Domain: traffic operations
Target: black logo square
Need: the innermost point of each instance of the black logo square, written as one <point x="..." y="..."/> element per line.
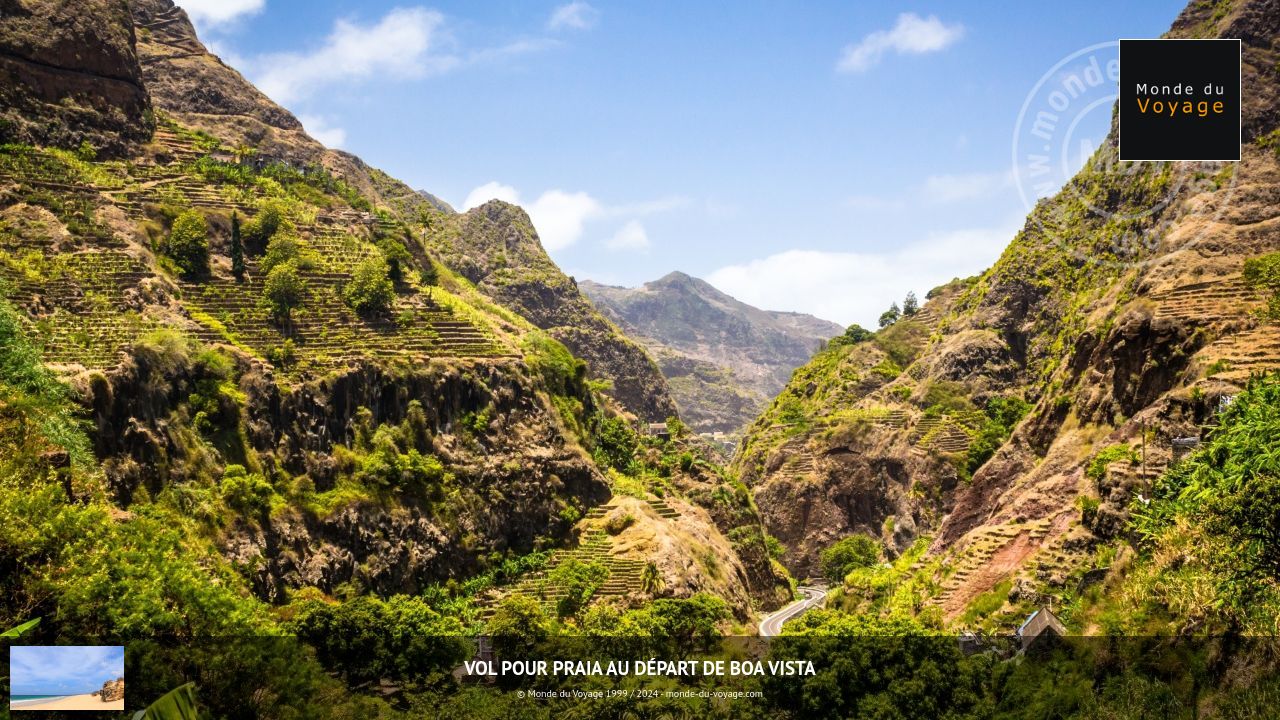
<point x="1179" y="100"/>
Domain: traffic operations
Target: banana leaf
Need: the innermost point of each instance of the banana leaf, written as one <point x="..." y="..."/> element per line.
<point x="21" y="630"/>
<point x="177" y="704"/>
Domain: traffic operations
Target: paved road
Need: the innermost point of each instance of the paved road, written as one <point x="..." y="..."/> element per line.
<point x="811" y="596"/>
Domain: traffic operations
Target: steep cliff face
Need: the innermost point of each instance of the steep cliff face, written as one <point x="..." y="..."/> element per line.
<point x="496" y="247"/>
<point x="723" y="358"/>
<point x="503" y="486"/>
<point x="1112" y="356"/>
<point x="69" y="74"/>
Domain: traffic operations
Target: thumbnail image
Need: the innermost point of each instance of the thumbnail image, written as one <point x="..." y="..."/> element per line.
<point x="67" y="677"/>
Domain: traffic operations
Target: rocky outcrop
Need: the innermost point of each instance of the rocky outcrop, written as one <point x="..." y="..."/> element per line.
<point x="723" y="358"/>
<point x="69" y="74"/>
<point x="496" y="247"/>
<point x="112" y="690"/>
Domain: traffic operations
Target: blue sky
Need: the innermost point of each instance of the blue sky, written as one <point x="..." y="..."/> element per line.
<point x="821" y="157"/>
<point x="63" y="669"/>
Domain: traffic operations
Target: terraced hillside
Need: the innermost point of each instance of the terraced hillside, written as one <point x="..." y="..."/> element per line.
<point x="96" y="286"/>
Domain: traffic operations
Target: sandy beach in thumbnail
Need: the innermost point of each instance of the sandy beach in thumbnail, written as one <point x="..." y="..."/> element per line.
<point x="69" y="702"/>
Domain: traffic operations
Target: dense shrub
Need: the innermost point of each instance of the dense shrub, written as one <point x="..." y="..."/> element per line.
<point x="849" y="554"/>
<point x="249" y="493"/>
<point x="370" y="289"/>
<point x="284" y="289"/>
<point x="368" y="639"/>
<point x="579" y="580"/>
<point x="188" y="244"/>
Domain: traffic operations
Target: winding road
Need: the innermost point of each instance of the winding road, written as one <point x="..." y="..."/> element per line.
<point x="812" y="596"/>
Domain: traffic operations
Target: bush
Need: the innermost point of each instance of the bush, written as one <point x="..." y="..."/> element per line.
<point x="284" y="289"/>
<point x="396" y="255"/>
<point x="368" y="639"/>
<point x="1002" y="415"/>
<point x="370" y="290"/>
<point x="1263" y="273"/>
<point x="248" y="493"/>
<point x="188" y="244"/>
<point x="617" y="523"/>
<point x="1097" y="468"/>
<point x="286" y="247"/>
<point x="263" y="227"/>
<point x="845" y="556"/>
<point x="579" y="580"/>
<point x="388" y="467"/>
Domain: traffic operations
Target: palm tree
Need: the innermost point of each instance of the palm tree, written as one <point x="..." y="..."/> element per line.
<point x="651" y="579"/>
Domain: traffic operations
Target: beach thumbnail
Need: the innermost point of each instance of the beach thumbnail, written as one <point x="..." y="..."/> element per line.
<point x="66" y="677"/>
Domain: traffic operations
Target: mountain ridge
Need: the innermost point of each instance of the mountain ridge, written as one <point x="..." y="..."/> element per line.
<point x="723" y="358"/>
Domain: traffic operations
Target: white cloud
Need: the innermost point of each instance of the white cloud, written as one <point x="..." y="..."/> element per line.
<point x="558" y="216"/>
<point x="320" y="129"/>
<point x="631" y="236"/>
<point x="911" y="35"/>
<point x="401" y="45"/>
<point x="209" y="13"/>
<point x="851" y="287"/>
<point x="574" y="15"/>
<point x="491" y="191"/>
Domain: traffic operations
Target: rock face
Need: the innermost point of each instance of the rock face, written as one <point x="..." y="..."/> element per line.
<point x="112" y="690"/>
<point x="724" y="359"/>
<point x="69" y="74"/>
<point x="496" y="247"/>
<point x="880" y="436"/>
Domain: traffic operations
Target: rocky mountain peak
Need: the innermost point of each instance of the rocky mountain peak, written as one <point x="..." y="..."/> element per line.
<point x="69" y="74"/>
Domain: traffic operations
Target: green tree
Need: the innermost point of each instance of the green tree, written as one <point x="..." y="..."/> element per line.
<point x="368" y="639"/>
<point x="518" y="625"/>
<point x="848" y="554"/>
<point x="188" y="244"/>
<point x="910" y="306"/>
<point x="263" y="227"/>
<point x="284" y="289"/>
<point x="853" y="335"/>
<point x="237" y="248"/>
<point x="284" y="247"/>
<point x="579" y="581"/>
<point x="688" y="625"/>
<point x="868" y="667"/>
<point x="615" y="443"/>
<point x="370" y="290"/>
<point x="1263" y="273"/>
<point x="396" y="254"/>
<point x="890" y="316"/>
